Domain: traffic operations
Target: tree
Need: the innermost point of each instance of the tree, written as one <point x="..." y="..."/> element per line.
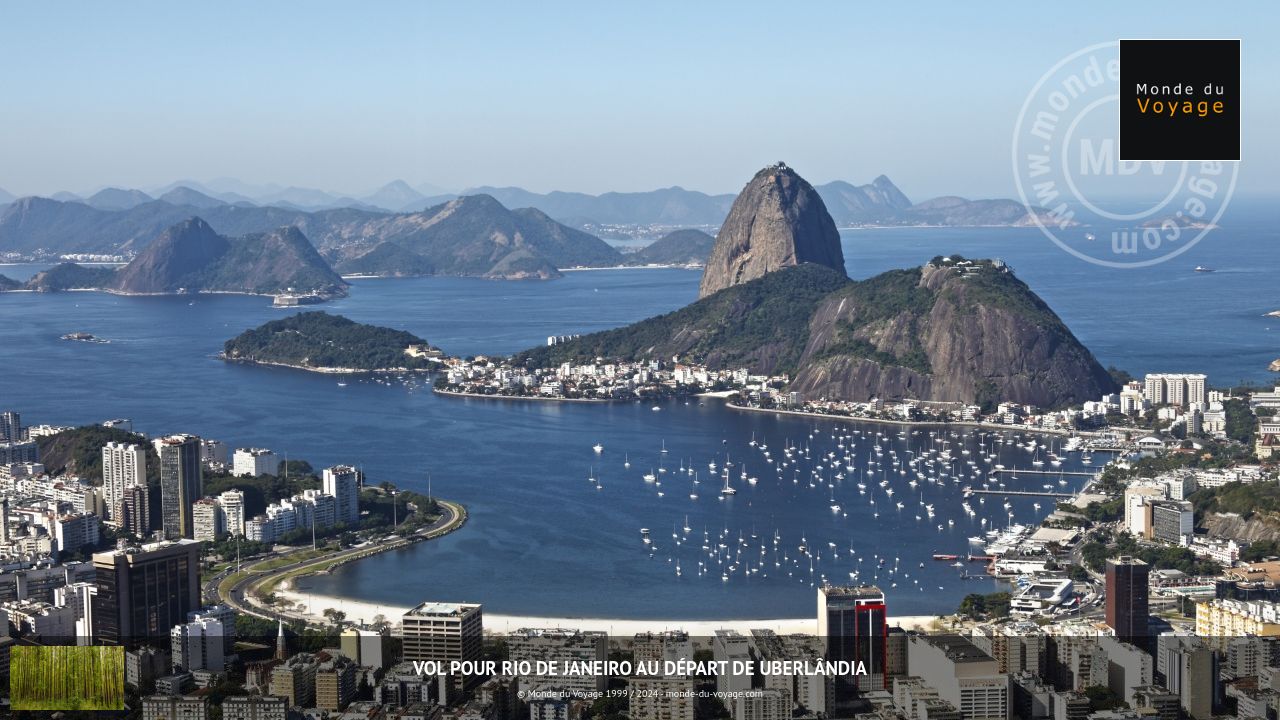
<point x="335" y="616"/>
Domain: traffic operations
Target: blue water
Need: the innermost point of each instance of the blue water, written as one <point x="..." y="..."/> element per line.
<point x="542" y="539"/>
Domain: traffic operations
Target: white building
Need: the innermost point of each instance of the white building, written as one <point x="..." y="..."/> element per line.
<point x="252" y="462"/>
<point x="1180" y="389"/>
<point x="124" y="465"/>
<point x="341" y="481"/>
<point x="207" y="519"/>
<point x="199" y="645"/>
<point x="231" y="502"/>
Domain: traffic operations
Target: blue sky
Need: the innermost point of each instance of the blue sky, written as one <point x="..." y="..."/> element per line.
<point x="572" y="96"/>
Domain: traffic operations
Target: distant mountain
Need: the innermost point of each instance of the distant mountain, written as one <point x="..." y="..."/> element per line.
<point x="882" y="203"/>
<point x="668" y="206"/>
<point x="300" y="198"/>
<point x="117" y="199"/>
<point x="852" y="203"/>
<point x="387" y="259"/>
<point x="681" y="247"/>
<point x="185" y="196"/>
<point x="7" y="283"/>
<point x="396" y="196"/>
<point x="190" y="256"/>
<point x="64" y="196"/>
<point x="474" y="235"/>
<point x="778" y="220"/>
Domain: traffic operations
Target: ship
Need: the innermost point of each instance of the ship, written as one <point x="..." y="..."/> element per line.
<point x="1202" y="268"/>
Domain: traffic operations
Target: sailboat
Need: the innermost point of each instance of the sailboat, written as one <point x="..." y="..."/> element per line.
<point x="727" y="489"/>
<point x="626" y="461"/>
<point x="598" y="448"/>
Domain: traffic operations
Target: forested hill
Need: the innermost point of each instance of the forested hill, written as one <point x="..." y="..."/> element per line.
<point x="320" y="341"/>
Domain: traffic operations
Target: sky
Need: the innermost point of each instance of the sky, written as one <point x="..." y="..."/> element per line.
<point x="589" y="97"/>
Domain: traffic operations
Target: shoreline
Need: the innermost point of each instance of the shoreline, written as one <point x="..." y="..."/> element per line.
<point x="539" y="398"/>
<point x="323" y="370"/>
<point x="922" y="423"/>
<point x="364" y="611"/>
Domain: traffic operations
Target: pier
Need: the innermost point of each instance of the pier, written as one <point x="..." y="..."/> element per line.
<point x="1055" y="473"/>
<point x="1027" y="493"/>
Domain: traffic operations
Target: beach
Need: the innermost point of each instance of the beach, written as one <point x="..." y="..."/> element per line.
<point x="359" y="611"/>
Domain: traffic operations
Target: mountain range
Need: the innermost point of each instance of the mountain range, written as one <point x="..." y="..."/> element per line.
<point x="472" y="235"/>
<point x="877" y="203"/>
<point x="775" y="298"/>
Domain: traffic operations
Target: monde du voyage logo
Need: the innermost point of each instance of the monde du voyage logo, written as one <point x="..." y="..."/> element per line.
<point x="1124" y="152"/>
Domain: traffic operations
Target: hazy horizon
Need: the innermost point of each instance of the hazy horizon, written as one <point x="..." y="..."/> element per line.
<point x="590" y="99"/>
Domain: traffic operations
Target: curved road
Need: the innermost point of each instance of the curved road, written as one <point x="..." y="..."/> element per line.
<point x="236" y="595"/>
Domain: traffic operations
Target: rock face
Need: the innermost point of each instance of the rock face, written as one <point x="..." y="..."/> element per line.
<point x="959" y="331"/>
<point x="778" y="220"/>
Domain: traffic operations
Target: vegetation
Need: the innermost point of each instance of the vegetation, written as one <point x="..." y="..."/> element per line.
<point x="1243" y="499"/>
<point x="1260" y="550"/>
<point x="993" y="605"/>
<point x="679" y="247"/>
<point x="763" y="324"/>
<point x="79" y="451"/>
<point x="66" y="677"/>
<point x="1159" y="557"/>
<point x="1103" y="698"/>
<point x="877" y="301"/>
<point x="320" y="340"/>
<point x="1242" y="424"/>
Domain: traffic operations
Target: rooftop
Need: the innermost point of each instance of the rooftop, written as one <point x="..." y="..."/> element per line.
<point x="443" y="609"/>
<point x="956" y="648"/>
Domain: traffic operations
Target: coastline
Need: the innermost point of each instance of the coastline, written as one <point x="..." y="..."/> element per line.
<point x="363" y="611"/>
<point x="539" y="398"/>
<point x="918" y="423"/>
<point x="322" y="370"/>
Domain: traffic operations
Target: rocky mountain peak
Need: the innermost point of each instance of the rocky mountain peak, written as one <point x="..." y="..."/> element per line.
<point x="777" y="221"/>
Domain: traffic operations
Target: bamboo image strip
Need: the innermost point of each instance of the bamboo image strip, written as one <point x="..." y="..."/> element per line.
<point x="66" y="677"/>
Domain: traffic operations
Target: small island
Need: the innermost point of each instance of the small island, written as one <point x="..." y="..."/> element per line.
<point x="319" y="342"/>
<point x="85" y="337"/>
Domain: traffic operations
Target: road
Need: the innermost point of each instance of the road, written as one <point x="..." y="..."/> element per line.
<point x="236" y="595"/>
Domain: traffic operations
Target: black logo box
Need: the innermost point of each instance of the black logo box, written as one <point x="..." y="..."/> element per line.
<point x="1185" y="65"/>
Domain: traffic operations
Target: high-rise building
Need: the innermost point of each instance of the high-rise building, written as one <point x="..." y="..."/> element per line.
<point x="853" y="621"/>
<point x="341" y="481"/>
<point x="1173" y="521"/>
<point x="231" y="503"/>
<point x="199" y="645"/>
<point x="367" y="647"/>
<point x="206" y="519"/>
<point x="135" y="510"/>
<point x="144" y="591"/>
<point x="443" y="631"/>
<point x="124" y="465"/>
<point x="1181" y="389"/>
<point x="730" y="646"/>
<point x="1127" y="611"/>
<point x="181" y="483"/>
<point x="335" y="683"/>
<point x="962" y="674"/>
<point x="252" y="462"/>
<point x="11" y="426"/>
<point x="295" y="680"/>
